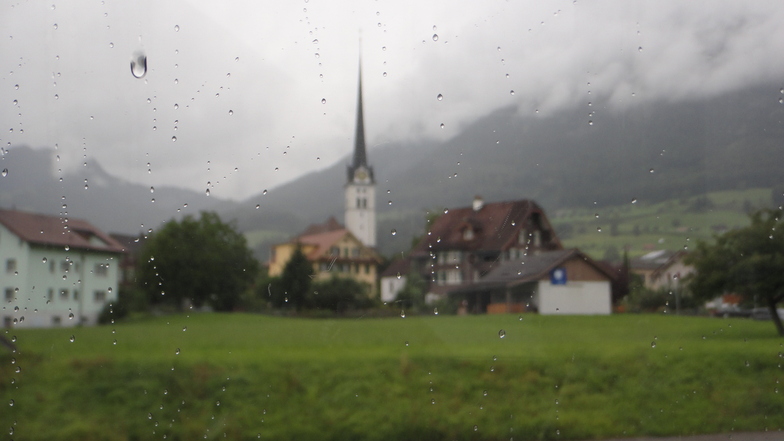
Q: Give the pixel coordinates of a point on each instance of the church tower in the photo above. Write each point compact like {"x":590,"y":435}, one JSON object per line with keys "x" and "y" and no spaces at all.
{"x":360,"y":188}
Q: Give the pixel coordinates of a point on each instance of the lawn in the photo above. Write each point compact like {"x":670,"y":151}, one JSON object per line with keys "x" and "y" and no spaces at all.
{"x":241,"y":376}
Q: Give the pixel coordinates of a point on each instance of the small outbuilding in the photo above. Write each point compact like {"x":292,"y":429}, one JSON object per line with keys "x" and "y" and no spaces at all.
{"x":550,"y":282}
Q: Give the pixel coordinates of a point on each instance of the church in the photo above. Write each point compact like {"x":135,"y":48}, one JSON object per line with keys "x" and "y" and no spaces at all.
{"x":342,"y":250}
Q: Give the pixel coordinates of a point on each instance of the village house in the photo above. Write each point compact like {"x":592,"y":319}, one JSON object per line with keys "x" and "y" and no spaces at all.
{"x":661,"y":269}
{"x":503,"y":257}
{"x":333,"y":250}
{"x":55,"y":271}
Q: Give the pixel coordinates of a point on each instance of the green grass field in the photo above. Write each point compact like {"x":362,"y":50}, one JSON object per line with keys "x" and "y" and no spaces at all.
{"x":239,"y":376}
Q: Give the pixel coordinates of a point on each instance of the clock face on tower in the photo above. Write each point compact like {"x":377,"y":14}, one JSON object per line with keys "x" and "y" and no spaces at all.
{"x":361,"y":175}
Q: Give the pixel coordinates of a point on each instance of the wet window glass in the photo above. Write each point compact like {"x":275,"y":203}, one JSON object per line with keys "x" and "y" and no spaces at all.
{"x":391,"y":220}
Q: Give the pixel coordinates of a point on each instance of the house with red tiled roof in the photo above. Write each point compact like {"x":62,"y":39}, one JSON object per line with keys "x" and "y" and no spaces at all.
{"x":491,"y":257}
{"x":333,"y":250}
{"x":55,"y":271}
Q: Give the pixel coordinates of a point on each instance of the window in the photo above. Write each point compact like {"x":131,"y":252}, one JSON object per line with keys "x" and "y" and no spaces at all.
{"x":591,"y":109}
{"x":10,"y":265}
{"x":9,"y":295}
{"x":101,"y":270}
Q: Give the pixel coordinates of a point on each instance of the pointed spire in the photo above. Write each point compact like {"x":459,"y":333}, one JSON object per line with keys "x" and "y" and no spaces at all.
{"x":360,"y":156}
{"x":360,"y":152}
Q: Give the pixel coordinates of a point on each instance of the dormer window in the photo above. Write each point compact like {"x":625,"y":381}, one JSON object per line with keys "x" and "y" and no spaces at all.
{"x":522,"y":237}
{"x":468,"y":234}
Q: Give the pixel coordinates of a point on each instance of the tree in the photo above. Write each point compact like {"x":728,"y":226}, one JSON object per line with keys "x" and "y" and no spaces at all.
{"x":338,"y":294}
{"x":747,"y":261}
{"x":199,"y":260}
{"x":412,"y":295}
{"x":294,"y":284}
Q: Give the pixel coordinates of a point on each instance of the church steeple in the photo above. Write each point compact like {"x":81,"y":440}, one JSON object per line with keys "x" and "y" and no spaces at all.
{"x":360,"y":152}
{"x":360,"y":189}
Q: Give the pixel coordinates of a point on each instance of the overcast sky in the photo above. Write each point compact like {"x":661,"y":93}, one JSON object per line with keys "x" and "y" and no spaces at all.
{"x":259,"y":92}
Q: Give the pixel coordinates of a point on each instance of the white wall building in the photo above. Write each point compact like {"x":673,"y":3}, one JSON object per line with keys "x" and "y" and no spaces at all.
{"x":53,"y":271}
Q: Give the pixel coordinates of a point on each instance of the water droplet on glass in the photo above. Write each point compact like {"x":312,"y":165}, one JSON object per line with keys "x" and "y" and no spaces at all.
{"x":511,"y":92}
{"x":138,"y":65}
{"x":174,"y":139}
{"x":476,"y":428}
{"x":323,"y":101}
{"x":653,"y":344}
{"x":650,"y":171}
{"x":435,"y":37}
{"x":72,"y":339}
{"x":11,"y":403}
{"x":176,"y":28}
{"x":403,"y":314}
{"x":639,"y":49}
{"x":70,"y":316}
{"x":439,"y":97}
{"x":394,"y":232}
{"x":177,"y":352}
{"x":5,"y":172}
{"x":501,"y":333}
{"x":634,"y":201}
{"x":231,"y":112}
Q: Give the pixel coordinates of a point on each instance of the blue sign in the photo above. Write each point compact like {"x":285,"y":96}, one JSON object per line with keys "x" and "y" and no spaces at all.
{"x":558,"y":276}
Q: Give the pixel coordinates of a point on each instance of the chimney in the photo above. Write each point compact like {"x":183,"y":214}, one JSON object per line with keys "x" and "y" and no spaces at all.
{"x":478,"y":203}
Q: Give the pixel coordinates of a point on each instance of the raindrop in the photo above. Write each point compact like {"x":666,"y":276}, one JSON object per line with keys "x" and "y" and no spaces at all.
{"x":511,"y":92}
{"x":599,"y":229}
{"x":70,"y":316}
{"x":72,"y":339}
{"x":185,"y":328}
{"x":231,"y":112}
{"x":56,"y":96}
{"x":634,"y":201}
{"x":435,"y":37}
{"x":5,"y":172}
{"x":639,"y":49}
{"x":323,"y":101}
{"x":501,"y":334}
{"x":55,"y":26}
{"x":484,"y":393}
{"x":176,"y":106}
{"x":138,"y":65}
{"x":111,"y":45}
{"x":207,"y":192}
{"x":174,"y":139}
{"x":258,"y":206}
{"x":394,"y":232}
{"x":176,"y":28}
{"x":11,"y":403}
{"x":403,"y":314}
{"x":152,"y":189}
{"x":435,"y":311}
{"x":440,"y":97}
{"x":442,"y":125}
{"x":653,"y":344}
{"x":650,"y":171}
{"x":476,"y":428}
{"x":177,"y":352}
{"x":590,"y":123}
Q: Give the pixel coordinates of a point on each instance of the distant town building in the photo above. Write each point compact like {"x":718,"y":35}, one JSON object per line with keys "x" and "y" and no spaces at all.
{"x":333,"y":250}
{"x":55,"y":271}
{"x":360,"y":188}
{"x":661,"y":269}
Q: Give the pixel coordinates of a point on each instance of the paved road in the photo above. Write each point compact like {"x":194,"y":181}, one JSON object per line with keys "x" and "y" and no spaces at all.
{"x":735,"y":436}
